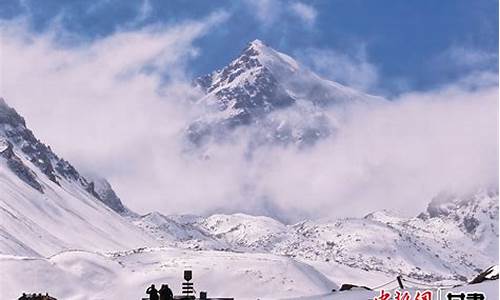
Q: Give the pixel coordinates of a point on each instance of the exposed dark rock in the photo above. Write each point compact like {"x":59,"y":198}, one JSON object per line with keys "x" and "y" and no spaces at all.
{"x":103,"y":191}
{"x":18,"y":137}
{"x":16,"y":165}
{"x":489,"y":274}
{"x":348,"y":287}
{"x":470,"y":224}
{"x":246,"y":92}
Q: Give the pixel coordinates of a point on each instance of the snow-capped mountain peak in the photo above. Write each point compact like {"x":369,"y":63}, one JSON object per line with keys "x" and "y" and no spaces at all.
{"x":275,"y":61}
{"x":246,"y":86}
{"x":257,"y":44}
{"x":261,"y":88}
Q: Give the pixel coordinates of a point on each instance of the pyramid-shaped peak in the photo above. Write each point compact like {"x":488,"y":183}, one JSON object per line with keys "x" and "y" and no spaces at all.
{"x":257,"y":44}
{"x":255,"y":49}
{"x":259,"y":48}
{"x":268,"y":56}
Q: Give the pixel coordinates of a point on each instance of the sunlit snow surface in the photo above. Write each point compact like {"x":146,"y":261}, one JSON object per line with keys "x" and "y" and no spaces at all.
{"x":63,"y":217}
{"x":125,"y":275}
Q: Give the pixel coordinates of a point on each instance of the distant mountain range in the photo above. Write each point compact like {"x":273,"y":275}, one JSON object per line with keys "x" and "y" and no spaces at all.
{"x":454,"y":239}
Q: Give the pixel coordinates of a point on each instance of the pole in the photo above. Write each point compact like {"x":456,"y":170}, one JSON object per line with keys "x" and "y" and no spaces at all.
{"x":400,"y":282}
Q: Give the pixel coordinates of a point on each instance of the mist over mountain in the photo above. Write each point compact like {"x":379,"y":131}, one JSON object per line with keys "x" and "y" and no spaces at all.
{"x":456,"y":237}
{"x":327,"y":151}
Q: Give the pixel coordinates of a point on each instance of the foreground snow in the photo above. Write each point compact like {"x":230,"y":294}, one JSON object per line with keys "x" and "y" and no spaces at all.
{"x":63,"y":217}
{"x":125,"y":275}
{"x":73,"y":275}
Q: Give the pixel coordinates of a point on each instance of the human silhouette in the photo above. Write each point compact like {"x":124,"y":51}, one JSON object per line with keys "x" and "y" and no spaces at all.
{"x":153,"y":292}
{"x":165,"y":292}
{"x":23,"y":297}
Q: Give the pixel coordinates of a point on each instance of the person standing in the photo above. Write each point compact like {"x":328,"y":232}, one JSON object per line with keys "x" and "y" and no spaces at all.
{"x":166,"y":293}
{"x":153,"y":292}
{"x":23,"y":297}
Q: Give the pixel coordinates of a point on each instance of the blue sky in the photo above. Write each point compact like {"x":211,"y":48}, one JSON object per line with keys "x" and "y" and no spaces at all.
{"x":404,"y":45}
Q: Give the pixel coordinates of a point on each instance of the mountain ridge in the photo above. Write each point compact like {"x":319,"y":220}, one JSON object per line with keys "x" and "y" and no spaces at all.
{"x":15,"y":134}
{"x":424,"y":248}
{"x":45,"y":200}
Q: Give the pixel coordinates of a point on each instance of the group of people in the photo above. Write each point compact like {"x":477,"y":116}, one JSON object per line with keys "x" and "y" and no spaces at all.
{"x":164,"y":293}
{"x":38,"y":296}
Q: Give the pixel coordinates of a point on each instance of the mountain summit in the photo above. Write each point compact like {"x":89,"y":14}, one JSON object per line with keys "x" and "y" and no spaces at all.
{"x":247,"y":88}
{"x":258,"y":87}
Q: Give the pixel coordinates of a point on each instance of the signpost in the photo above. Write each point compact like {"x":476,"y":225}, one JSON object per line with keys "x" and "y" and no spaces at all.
{"x":188,"y":287}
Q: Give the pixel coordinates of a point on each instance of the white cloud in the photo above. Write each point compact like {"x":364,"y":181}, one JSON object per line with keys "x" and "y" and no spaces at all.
{"x":397,"y":155}
{"x":144,"y":12}
{"x":467,"y":61}
{"x":469,"y":57}
{"x":305,"y":12}
{"x":352,"y":69}
{"x":269,"y":12}
{"x":265,"y":11}
{"x":102,"y":106}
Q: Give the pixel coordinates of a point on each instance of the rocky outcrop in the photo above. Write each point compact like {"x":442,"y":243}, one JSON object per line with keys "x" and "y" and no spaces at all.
{"x":17,"y":138}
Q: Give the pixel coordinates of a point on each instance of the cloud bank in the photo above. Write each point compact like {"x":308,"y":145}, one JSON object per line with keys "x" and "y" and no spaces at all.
{"x":305,"y":12}
{"x":353,"y":69}
{"x":118,"y":106}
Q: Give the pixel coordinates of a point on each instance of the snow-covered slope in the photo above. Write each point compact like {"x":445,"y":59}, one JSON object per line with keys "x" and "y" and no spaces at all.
{"x":81,"y":275}
{"x":237,"y":233}
{"x":179,"y":231}
{"x":125,"y":275}
{"x":244,"y":232}
{"x":282,"y":100}
{"x":429,"y":247}
{"x":46,"y":206}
